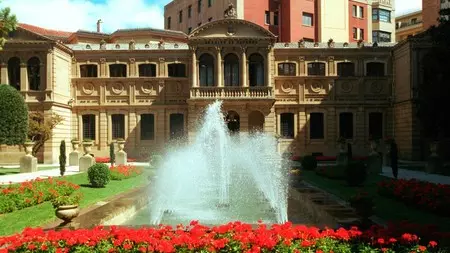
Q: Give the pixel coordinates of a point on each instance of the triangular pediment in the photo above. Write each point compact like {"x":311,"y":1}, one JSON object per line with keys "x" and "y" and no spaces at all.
{"x":21,"y":34}
{"x":231,"y":28}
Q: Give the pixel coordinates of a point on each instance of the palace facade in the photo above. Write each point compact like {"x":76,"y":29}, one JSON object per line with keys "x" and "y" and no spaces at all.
{"x":151,"y":86}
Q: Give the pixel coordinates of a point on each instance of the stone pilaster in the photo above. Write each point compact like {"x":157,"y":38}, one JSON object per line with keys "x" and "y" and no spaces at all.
{"x":194,"y":81}
{"x":49,"y":71}
{"x":244,"y":67}
{"x":219,"y":79}
{"x":103,"y":68}
{"x":268,"y":67}
{"x":4,"y":73}
{"x":23,"y":77}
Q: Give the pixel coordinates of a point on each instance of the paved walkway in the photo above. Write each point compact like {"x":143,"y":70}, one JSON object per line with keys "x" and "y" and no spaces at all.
{"x":410,"y":174}
{"x":22,"y":177}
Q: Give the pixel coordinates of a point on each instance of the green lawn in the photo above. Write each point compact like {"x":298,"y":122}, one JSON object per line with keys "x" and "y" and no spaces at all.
{"x":44,"y":213}
{"x":9,"y":171}
{"x":387,"y":209}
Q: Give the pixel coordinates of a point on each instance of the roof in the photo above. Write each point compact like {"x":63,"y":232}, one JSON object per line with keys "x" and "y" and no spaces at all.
{"x":149,"y":29}
{"x":55,"y":34}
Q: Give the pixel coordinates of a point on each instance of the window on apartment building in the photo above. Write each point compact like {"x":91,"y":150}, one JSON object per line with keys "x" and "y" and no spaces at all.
{"x":118,"y":70}
{"x":231,"y":70}
{"x":199,"y":6}
{"x":355,"y":11}
{"x":345,"y":69}
{"x":169,"y":22}
{"x":316,"y":126}
{"x":177,"y":70}
{"x":308,"y":39}
{"x":210,"y":3}
{"x":307,"y":19}
{"x":381,"y":15}
{"x":118,"y":126}
{"x":88,"y":70}
{"x":375,"y":69}
{"x":287,"y":69}
{"x":14,"y":72}
{"x":380,"y":36}
{"x":206,"y":65}
{"x":189,"y":30}
{"x":361,"y":34}
{"x":256,"y":70}
{"x":413,"y":20}
{"x":147,"y":126}
{"x":275,"y":18}
{"x":176,"y":123}
{"x":209,"y":19}
{"x":361,"y":11}
{"x":180,"y":16}
{"x":88,"y":121}
{"x":267,"y":17}
{"x":355,"y":33}
{"x":346,"y":125}
{"x":376,"y":125}
{"x":287,"y":125}
{"x":189,"y":11}
{"x":147,"y":70}
{"x":33,"y":72}
{"x":316,"y":69}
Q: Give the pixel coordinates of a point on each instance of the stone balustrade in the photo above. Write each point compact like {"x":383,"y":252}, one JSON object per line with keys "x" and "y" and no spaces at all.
{"x":232,"y":93}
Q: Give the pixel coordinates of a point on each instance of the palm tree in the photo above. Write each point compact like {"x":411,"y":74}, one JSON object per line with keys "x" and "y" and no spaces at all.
{"x":8,"y":23}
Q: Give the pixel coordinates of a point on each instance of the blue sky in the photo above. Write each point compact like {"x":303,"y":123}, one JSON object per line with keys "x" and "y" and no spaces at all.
{"x":71,"y":15}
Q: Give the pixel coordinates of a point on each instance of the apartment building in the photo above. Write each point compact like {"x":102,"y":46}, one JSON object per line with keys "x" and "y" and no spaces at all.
{"x":293,"y":20}
{"x":407,"y":25}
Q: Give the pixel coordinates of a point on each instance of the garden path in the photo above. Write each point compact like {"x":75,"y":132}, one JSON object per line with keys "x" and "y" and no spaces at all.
{"x":419,"y":175}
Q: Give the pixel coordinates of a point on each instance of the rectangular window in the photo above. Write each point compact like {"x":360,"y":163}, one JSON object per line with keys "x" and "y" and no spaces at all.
{"x":307,"y":19}
{"x":355,"y":33}
{"x":287,"y":69}
{"x":118,"y":126}
{"x":267,"y":17}
{"x":376,"y":125}
{"x":88,"y":126}
{"x":180,"y":16}
{"x":361,"y":34}
{"x":379,"y":36}
{"x":88,"y":70}
{"x":375,"y":69}
{"x":316,"y":69}
{"x":381,"y":15}
{"x":210,"y":3}
{"x":147,"y":70}
{"x":147,"y":127}
{"x":316,"y":126}
{"x":361,"y":12}
{"x":176,"y":126}
{"x":199,"y":6}
{"x":275,"y":18}
{"x":287,"y":125}
{"x":169,"y":21}
{"x":177,"y":70}
{"x":345,"y":69}
{"x":118,"y":70}
{"x":355,"y":11}
{"x":308,"y":40}
{"x":346,"y":125}
{"x":189,"y":11}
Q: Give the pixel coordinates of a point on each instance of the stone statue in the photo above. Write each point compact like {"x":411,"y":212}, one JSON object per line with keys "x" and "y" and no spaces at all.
{"x":230,"y":12}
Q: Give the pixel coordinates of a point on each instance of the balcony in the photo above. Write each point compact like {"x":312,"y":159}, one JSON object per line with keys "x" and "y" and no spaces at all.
{"x":232,"y":93}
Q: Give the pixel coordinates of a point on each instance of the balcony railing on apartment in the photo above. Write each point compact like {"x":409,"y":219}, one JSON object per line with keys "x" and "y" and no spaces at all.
{"x":232,"y":93}
{"x":383,"y":2}
{"x":401,"y":25}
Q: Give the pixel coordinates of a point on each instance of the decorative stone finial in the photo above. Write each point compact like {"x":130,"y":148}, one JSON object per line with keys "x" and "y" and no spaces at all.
{"x":375,"y":44}
{"x":330,"y":43}
{"x":132,"y":45}
{"x":230,"y":12}
{"x":360,"y":43}
{"x":161,"y":44}
{"x":102,"y":44}
{"x":346,"y":44}
{"x":301,"y":43}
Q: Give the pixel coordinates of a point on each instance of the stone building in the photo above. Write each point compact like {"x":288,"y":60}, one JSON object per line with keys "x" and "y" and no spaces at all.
{"x":150,"y":86}
{"x":408,"y":25}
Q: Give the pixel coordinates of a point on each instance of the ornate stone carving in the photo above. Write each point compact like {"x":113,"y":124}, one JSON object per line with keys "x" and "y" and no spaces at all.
{"x":230,"y":12}
{"x":147,"y":88}
{"x":316,"y":87}
{"x":287,"y":87}
{"x":117,"y":88}
{"x":231,"y":30}
{"x":132,"y":45}
{"x":102,"y":60}
{"x":103,"y":44}
{"x":346,"y":87}
{"x":162,"y":60}
{"x":132,"y":60}
{"x":88,"y":88}
{"x":50,"y":51}
{"x":376,"y":87}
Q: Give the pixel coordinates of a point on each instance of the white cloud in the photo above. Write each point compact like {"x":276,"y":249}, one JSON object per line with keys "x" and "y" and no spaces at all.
{"x":407,"y":6}
{"x":71,"y":15}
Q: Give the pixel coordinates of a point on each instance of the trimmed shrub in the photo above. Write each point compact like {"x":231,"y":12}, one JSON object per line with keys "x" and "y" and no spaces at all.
{"x":356,"y":173}
{"x":112,"y":154}
{"x":309,"y":162}
{"x":62,"y":158}
{"x":99,"y":175}
{"x":14,"y":116}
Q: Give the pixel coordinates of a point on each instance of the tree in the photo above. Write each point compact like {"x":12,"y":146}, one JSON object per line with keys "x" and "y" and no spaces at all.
{"x":112,"y":155}
{"x":8,"y":23}
{"x":62,"y":158}
{"x":432,"y":101}
{"x":13,"y":116}
{"x":40,"y":128}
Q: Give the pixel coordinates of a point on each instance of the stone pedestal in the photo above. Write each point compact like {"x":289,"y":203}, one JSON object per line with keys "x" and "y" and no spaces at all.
{"x":435,"y":163}
{"x":28,"y":163}
{"x":342,"y":156}
{"x":75,"y":155}
{"x":374,"y":163}
{"x":86,"y":161}
{"x":121,"y":156}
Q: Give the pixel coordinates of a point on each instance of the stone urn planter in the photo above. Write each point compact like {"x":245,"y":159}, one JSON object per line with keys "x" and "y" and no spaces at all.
{"x":87,"y":147}
{"x":67,"y":213}
{"x":121,"y":144}
{"x":75,"y":145}
{"x":28,"y":147}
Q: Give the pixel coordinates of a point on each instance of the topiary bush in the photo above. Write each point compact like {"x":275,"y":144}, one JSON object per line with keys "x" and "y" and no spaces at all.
{"x":356,"y":173}
{"x":112,"y":154}
{"x":62,"y":158}
{"x":99,"y":175}
{"x":14,"y":116}
{"x":309,"y":162}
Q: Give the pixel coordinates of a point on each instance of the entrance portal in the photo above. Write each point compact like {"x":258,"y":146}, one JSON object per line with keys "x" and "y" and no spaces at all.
{"x":233,"y":122}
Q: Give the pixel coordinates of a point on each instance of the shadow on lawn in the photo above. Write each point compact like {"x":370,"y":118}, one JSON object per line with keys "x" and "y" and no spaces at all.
{"x":90,"y":186}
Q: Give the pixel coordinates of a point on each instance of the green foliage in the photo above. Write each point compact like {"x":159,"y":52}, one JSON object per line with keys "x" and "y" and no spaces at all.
{"x":99,"y":175}
{"x":309,"y":162}
{"x":9,"y":24}
{"x":40,"y":128}
{"x":73,"y":199}
{"x":62,"y":158}
{"x":112,"y":154}
{"x":356,"y":173}
{"x":14,"y":116}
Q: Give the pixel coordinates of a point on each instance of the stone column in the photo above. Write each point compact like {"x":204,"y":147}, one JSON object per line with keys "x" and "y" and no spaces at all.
{"x":49,"y":71}
{"x":268,"y":68}
{"x":133,"y":68}
{"x":219,"y":67}
{"x":194,"y":68}
{"x":244,"y":65}
{"x":23,"y":77}
{"x":331,"y":70}
{"x":4,"y":73}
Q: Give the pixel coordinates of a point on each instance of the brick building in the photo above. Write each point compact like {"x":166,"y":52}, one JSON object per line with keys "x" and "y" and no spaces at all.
{"x":293,"y":20}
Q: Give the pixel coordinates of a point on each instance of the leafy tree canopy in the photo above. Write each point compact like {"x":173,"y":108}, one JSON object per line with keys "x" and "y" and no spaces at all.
{"x":13,"y":116}
{"x":8,"y":23}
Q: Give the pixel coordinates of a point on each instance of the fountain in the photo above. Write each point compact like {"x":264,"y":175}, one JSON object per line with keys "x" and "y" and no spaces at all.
{"x":220,"y":177}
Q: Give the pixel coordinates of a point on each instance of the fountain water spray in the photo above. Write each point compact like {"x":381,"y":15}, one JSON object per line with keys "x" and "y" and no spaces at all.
{"x":220,"y":178}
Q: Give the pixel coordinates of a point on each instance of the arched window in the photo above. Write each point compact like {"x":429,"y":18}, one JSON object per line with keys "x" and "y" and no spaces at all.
{"x":206,"y":66}
{"x":231,"y":64}
{"x":14,"y":72}
{"x":256,"y":70}
{"x":375,"y":69}
{"x":34,"y":75}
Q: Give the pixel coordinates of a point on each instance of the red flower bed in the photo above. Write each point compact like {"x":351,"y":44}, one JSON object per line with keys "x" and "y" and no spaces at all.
{"x":121,"y":172}
{"x":329,"y":158}
{"x":424,"y":195}
{"x":106,"y":160}
{"x":18,"y":196}
{"x":232,"y":237}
